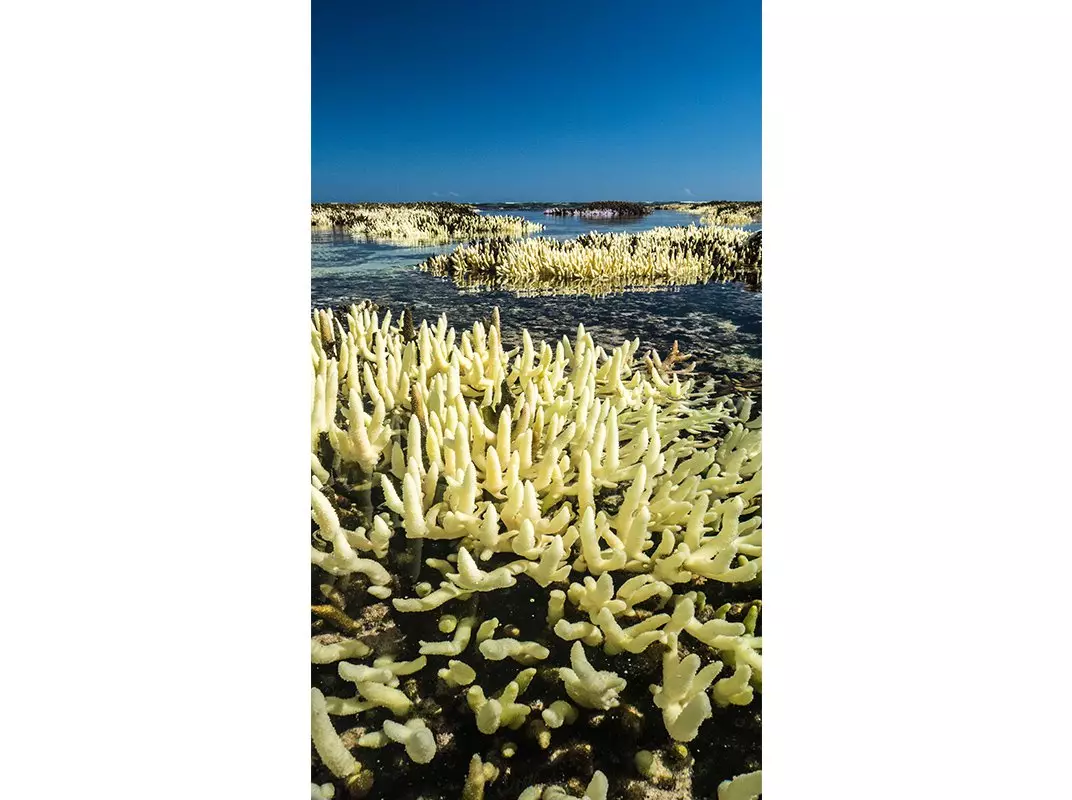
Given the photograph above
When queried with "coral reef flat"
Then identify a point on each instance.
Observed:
(720, 212)
(417, 223)
(604, 263)
(536, 567)
(720, 323)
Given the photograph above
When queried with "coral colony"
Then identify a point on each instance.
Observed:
(535, 572)
(417, 223)
(720, 212)
(603, 209)
(598, 263)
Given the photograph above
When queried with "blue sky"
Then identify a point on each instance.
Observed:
(498, 101)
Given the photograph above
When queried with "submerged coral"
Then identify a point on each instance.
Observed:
(418, 223)
(527, 555)
(598, 263)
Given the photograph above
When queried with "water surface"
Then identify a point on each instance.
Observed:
(719, 324)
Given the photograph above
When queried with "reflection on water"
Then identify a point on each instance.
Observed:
(718, 323)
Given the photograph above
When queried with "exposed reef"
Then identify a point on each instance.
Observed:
(601, 209)
(721, 212)
(536, 572)
(603, 263)
(418, 223)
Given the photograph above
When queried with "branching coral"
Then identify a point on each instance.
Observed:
(563, 504)
(418, 740)
(418, 223)
(682, 695)
(597, 263)
(588, 686)
(501, 711)
(721, 212)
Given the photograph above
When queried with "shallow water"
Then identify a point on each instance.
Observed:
(719, 324)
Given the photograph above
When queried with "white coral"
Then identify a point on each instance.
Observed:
(588, 686)
(415, 735)
(683, 693)
(328, 745)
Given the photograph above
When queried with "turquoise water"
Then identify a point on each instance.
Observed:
(720, 324)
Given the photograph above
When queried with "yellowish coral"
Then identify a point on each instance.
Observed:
(597, 263)
(604, 489)
(418, 224)
(721, 213)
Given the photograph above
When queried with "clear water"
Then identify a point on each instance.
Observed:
(720, 324)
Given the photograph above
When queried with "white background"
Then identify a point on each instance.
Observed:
(155, 181)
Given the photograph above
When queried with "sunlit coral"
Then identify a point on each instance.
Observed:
(567, 505)
(416, 224)
(599, 263)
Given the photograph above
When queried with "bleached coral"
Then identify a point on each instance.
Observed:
(742, 787)
(559, 713)
(721, 213)
(473, 579)
(602, 487)
(457, 673)
(417, 223)
(462, 632)
(418, 740)
(596, 790)
(683, 693)
(588, 686)
(336, 651)
(503, 710)
(597, 263)
(327, 742)
(521, 652)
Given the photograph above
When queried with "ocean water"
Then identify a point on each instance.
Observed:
(719, 324)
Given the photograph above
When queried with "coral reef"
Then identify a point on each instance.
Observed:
(721, 212)
(418, 223)
(598, 263)
(601, 209)
(583, 526)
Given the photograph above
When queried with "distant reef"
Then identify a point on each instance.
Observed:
(601, 209)
(720, 212)
(418, 223)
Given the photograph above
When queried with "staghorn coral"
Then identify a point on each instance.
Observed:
(682, 696)
(588, 686)
(721, 212)
(599, 263)
(564, 504)
(417, 223)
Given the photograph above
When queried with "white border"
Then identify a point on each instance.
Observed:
(156, 265)
(916, 168)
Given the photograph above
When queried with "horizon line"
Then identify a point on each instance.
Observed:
(552, 202)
